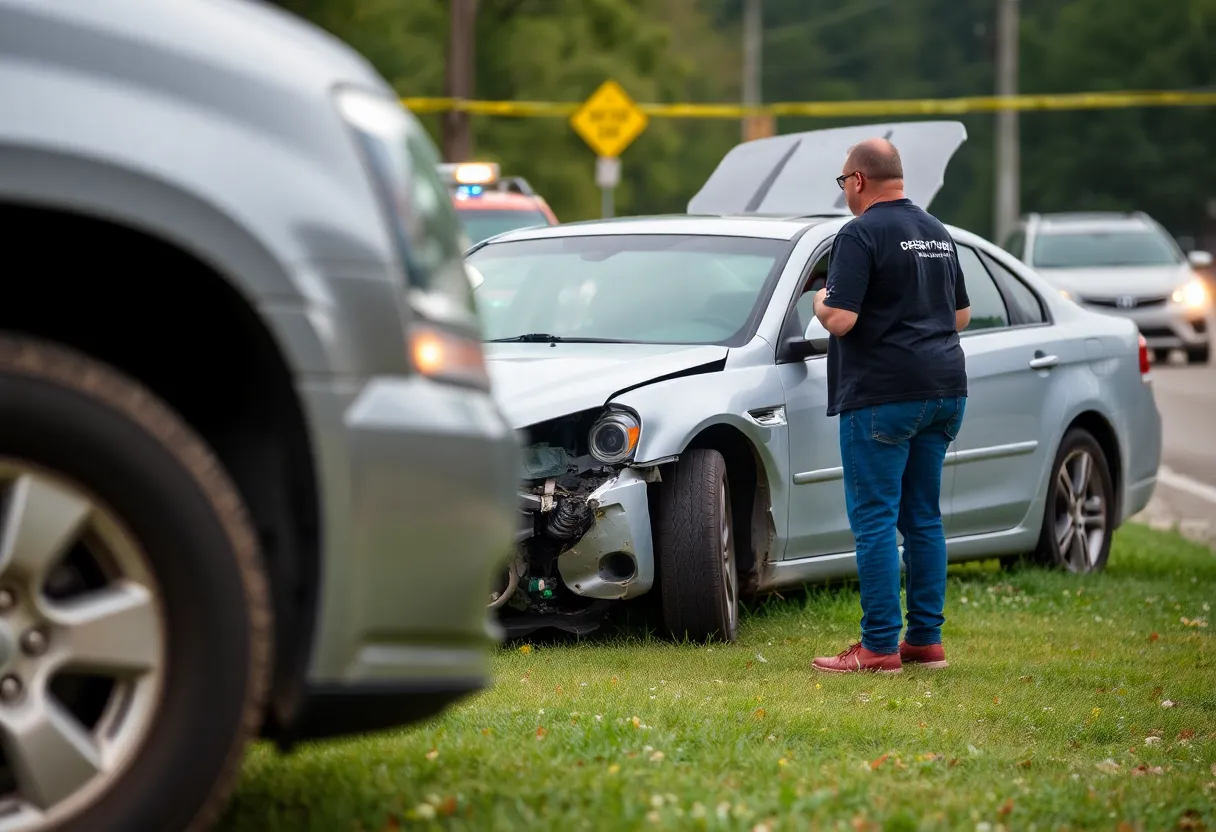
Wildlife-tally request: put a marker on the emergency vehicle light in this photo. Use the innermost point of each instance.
(471, 173)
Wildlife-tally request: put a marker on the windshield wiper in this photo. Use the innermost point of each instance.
(546, 338)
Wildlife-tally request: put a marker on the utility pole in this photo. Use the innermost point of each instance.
(753, 36)
(458, 78)
(1008, 164)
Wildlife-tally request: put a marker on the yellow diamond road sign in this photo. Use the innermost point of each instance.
(609, 121)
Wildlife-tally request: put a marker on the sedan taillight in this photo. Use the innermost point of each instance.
(1145, 367)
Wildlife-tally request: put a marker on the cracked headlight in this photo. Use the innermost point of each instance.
(614, 437)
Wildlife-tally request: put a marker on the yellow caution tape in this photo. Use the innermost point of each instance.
(823, 109)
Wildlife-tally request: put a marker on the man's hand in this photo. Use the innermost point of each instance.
(836, 321)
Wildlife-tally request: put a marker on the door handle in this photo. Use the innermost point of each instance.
(1043, 362)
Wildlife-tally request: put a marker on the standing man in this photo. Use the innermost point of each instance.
(894, 303)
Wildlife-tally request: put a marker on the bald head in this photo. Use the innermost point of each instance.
(875, 159)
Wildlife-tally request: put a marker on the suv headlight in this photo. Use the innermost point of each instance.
(614, 437)
(402, 161)
(1193, 295)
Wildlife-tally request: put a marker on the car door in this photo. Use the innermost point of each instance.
(1012, 353)
(818, 518)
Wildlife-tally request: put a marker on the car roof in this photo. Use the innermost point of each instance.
(498, 200)
(1092, 221)
(746, 225)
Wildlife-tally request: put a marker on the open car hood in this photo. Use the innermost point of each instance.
(536, 382)
(794, 174)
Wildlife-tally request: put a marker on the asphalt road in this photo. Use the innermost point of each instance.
(1186, 488)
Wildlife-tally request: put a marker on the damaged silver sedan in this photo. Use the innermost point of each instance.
(667, 376)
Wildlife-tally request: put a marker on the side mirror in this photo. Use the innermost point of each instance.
(1199, 259)
(813, 342)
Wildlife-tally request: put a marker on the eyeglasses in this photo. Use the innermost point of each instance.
(840, 180)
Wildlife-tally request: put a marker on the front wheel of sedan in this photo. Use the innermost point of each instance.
(695, 544)
(134, 624)
(1079, 517)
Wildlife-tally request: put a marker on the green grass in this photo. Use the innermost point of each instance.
(1042, 721)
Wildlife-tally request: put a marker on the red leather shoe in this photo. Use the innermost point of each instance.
(858, 659)
(931, 656)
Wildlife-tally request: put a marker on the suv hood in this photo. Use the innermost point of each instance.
(1110, 281)
(537, 382)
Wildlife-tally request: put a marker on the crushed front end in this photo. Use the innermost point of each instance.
(584, 539)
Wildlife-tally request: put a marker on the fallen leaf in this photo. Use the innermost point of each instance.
(1025, 678)
(748, 666)
(1153, 636)
(485, 732)
(759, 713)
(953, 763)
(1186, 734)
(1024, 764)
(1006, 807)
(996, 700)
(432, 754)
(541, 732)
(876, 764)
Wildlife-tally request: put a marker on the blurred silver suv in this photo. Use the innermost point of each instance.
(252, 478)
(1124, 264)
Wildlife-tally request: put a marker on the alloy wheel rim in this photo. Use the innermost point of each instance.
(1080, 512)
(730, 577)
(82, 647)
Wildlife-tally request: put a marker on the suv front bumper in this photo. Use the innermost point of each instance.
(420, 484)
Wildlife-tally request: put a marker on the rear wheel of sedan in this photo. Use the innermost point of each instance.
(695, 542)
(1198, 355)
(1161, 356)
(1079, 516)
(135, 632)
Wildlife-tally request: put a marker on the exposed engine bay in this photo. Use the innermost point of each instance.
(584, 538)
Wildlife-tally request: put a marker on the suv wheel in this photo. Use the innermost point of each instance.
(1198, 355)
(1079, 516)
(134, 622)
(695, 544)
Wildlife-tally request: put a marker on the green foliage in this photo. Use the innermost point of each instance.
(689, 51)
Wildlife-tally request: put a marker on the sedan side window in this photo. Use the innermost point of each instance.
(988, 309)
(1024, 300)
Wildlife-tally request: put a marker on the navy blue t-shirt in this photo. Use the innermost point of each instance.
(896, 267)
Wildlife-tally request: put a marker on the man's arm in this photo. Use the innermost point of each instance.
(961, 318)
(838, 303)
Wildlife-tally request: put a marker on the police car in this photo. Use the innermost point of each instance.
(488, 204)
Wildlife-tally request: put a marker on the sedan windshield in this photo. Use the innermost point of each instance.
(483, 223)
(1097, 249)
(641, 288)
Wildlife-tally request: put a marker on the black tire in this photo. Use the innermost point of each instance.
(1056, 548)
(698, 572)
(86, 424)
(1161, 356)
(1198, 355)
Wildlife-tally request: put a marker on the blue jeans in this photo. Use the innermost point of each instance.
(892, 456)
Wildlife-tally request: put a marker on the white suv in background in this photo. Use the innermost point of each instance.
(1124, 264)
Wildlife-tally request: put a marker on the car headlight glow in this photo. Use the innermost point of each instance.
(614, 437)
(1067, 295)
(1193, 294)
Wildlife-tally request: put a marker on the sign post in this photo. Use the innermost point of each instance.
(608, 122)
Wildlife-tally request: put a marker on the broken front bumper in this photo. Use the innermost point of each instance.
(614, 558)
